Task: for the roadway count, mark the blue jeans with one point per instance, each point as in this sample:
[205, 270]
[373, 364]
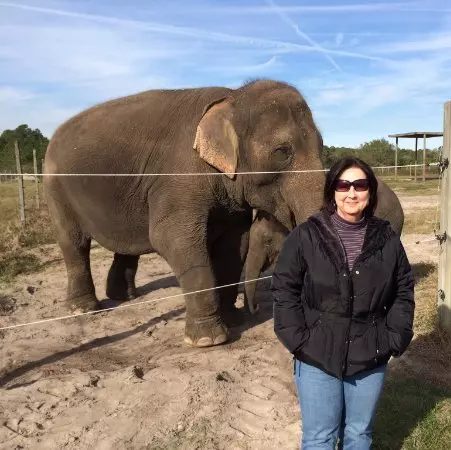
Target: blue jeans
[333, 408]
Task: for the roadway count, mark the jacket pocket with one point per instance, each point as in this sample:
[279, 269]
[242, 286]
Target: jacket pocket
[370, 347]
[324, 348]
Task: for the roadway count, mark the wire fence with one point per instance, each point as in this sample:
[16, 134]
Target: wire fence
[434, 237]
[193, 174]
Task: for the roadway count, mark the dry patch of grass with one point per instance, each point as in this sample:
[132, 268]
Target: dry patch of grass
[408, 186]
[421, 221]
[431, 347]
[17, 241]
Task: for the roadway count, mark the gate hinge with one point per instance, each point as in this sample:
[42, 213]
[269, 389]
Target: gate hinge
[443, 164]
[441, 237]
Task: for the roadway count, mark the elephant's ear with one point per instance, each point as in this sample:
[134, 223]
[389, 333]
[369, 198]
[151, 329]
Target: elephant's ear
[216, 139]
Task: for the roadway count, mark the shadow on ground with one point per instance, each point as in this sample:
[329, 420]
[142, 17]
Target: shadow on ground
[141, 291]
[412, 415]
[415, 407]
[8, 377]
[423, 270]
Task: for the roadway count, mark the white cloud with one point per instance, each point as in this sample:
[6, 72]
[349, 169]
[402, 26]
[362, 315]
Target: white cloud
[187, 31]
[58, 53]
[44, 114]
[233, 68]
[435, 42]
[55, 62]
[400, 97]
[284, 16]
[336, 8]
[11, 94]
[339, 39]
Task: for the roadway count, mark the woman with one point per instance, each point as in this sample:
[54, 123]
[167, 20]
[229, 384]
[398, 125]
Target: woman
[343, 295]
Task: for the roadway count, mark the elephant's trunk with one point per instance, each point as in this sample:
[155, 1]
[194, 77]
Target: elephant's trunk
[253, 268]
[306, 198]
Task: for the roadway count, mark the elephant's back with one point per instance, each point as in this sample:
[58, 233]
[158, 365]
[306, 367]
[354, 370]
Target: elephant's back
[144, 109]
[389, 207]
[118, 133]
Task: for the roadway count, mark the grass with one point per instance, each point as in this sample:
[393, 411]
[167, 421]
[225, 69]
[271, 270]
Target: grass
[408, 186]
[415, 407]
[16, 240]
[421, 221]
[413, 415]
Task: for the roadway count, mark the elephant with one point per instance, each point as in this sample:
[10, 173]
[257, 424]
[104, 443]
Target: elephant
[267, 236]
[193, 164]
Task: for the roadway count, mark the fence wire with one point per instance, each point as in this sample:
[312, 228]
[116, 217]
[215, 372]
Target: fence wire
[190, 174]
[131, 305]
[135, 304]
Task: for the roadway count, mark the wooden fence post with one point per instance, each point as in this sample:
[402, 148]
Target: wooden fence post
[424, 157]
[416, 157]
[36, 180]
[444, 268]
[396, 158]
[20, 183]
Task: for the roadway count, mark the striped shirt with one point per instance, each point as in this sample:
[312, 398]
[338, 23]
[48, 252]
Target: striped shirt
[352, 235]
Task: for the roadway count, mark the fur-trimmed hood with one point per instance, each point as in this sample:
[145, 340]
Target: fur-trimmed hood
[378, 232]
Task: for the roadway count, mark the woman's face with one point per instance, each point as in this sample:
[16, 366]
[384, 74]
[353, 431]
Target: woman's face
[352, 200]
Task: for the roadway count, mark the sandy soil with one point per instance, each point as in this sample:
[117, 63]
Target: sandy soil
[125, 379]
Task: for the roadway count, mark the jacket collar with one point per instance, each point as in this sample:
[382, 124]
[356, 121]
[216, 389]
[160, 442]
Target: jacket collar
[378, 231]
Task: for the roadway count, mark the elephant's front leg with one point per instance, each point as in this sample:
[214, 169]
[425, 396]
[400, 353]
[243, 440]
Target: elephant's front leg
[189, 259]
[228, 256]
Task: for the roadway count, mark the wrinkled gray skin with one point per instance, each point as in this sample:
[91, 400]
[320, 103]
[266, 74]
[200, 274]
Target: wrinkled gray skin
[267, 236]
[199, 225]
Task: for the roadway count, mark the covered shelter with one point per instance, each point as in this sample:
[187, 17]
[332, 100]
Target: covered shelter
[415, 135]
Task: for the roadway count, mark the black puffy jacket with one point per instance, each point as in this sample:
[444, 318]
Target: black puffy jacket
[338, 320]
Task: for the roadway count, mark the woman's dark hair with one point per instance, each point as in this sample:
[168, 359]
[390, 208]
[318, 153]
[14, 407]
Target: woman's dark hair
[334, 173]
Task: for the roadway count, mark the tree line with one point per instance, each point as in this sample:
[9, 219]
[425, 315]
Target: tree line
[28, 139]
[377, 152]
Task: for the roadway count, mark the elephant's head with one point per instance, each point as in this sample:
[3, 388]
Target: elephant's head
[266, 238]
[265, 126]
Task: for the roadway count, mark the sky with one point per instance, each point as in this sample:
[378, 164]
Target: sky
[366, 68]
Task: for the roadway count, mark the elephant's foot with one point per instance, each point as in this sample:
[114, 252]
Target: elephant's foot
[205, 332]
[84, 303]
[120, 291]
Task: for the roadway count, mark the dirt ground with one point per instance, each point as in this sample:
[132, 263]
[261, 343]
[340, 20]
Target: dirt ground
[125, 379]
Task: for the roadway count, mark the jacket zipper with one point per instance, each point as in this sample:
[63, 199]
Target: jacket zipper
[377, 339]
[351, 293]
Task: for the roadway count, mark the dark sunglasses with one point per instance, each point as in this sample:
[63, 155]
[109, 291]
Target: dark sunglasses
[360, 185]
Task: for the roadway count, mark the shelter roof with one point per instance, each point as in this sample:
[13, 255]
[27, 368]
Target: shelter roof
[418, 134]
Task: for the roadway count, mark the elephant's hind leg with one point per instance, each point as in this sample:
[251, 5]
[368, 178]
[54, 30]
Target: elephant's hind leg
[75, 246]
[228, 256]
[121, 277]
[81, 291]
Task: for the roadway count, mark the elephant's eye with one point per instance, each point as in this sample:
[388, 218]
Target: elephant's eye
[283, 154]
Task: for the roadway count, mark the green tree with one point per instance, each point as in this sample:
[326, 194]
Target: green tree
[332, 154]
[378, 152]
[28, 139]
